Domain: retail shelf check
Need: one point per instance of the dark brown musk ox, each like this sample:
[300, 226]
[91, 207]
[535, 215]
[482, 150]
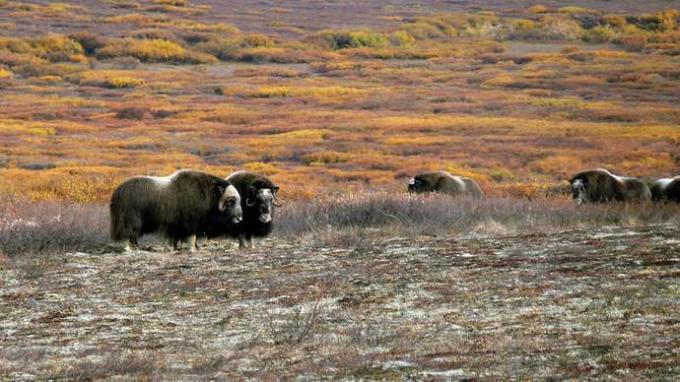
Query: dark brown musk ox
[600, 185]
[178, 207]
[445, 183]
[665, 189]
[258, 201]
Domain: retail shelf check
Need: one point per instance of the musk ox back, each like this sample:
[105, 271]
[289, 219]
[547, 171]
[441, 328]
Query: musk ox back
[178, 206]
[258, 201]
[600, 185]
[666, 189]
[445, 183]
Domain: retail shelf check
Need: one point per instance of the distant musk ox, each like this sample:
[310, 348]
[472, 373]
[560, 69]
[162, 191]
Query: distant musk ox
[258, 199]
[178, 206]
[665, 189]
[445, 183]
[600, 185]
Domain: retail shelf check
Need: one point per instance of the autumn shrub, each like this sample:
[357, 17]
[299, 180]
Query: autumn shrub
[324, 157]
[135, 113]
[634, 43]
[154, 34]
[599, 34]
[154, 51]
[57, 48]
[236, 48]
[89, 41]
[343, 39]
[108, 79]
[560, 28]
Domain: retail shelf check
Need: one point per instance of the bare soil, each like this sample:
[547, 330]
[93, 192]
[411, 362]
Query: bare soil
[585, 305]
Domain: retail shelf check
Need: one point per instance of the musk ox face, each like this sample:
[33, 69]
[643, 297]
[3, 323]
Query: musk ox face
[230, 203]
[578, 191]
[415, 185]
[263, 201]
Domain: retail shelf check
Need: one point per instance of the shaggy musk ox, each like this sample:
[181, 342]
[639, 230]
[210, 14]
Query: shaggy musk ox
[600, 185]
[178, 206]
[445, 183]
[666, 189]
[258, 202]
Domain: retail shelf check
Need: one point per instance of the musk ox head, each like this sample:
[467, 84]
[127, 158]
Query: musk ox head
[263, 200]
[417, 185]
[578, 190]
[230, 203]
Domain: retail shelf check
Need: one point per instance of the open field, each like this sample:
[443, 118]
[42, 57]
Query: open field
[518, 99]
[573, 304]
[339, 104]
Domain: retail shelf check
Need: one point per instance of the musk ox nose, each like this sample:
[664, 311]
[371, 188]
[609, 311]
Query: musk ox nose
[237, 219]
[265, 218]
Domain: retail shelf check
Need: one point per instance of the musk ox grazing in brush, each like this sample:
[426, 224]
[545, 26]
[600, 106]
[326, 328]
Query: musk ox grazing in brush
[178, 206]
[445, 183]
[600, 185]
[258, 201]
[665, 189]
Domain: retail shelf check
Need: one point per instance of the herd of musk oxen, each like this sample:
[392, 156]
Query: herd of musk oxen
[190, 203]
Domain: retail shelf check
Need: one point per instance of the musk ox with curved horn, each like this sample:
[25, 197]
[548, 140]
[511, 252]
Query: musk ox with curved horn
[666, 189]
[258, 202]
[178, 206]
[445, 183]
[600, 185]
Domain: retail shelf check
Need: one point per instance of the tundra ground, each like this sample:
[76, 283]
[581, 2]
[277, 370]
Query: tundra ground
[575, 304]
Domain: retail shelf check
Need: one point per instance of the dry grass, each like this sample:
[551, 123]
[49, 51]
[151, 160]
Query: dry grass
[347, 220]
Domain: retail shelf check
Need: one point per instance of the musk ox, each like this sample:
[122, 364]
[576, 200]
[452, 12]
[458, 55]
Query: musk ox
[665, 189]
[258, 201]
[178, 206]
[445, 183]
[600, 185]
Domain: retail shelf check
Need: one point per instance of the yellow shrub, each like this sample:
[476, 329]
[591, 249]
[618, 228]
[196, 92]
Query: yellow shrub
[539, 9]
[573, 10]
[325, 157]
[261, 167]
[4, 73]
[154, 51]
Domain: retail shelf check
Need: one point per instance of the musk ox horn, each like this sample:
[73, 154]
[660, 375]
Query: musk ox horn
[250, 202]
[277, 202]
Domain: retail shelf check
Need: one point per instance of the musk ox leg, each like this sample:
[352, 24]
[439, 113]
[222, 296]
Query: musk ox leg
[131, 244]
[242, 243]
[192, 243]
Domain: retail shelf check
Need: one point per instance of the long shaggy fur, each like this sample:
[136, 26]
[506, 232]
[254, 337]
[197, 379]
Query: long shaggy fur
[600, 185]
[178, 206]
[666, 189]
[248, 184]
[445, 183]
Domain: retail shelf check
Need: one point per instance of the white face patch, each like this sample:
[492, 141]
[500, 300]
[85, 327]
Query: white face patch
[265, 196]
[412, 181]
[579, 189]
[230, 202]
[265, 193]
[232, 192]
